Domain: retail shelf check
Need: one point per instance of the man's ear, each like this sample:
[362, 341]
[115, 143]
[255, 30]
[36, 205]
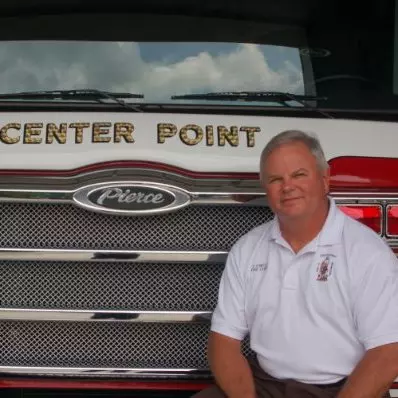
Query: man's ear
[326, 179]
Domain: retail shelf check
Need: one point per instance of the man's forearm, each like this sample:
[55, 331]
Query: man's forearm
[234, 378]
[374, 374]
[231, 370]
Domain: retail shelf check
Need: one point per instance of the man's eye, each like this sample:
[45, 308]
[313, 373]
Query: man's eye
[276, 179]
[300, 175]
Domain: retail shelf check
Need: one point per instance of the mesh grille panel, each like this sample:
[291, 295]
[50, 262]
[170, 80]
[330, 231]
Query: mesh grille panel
[63, 226]
[103, 344]
[109, 285]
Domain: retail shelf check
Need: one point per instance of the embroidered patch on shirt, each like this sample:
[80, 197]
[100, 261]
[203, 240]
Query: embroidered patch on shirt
[258, 267]
[324, 268]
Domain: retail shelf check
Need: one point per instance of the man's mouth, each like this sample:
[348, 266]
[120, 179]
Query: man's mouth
[289, 200]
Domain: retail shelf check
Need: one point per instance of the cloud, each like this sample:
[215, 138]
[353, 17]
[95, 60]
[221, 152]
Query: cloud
[120, 67]
[244, 69]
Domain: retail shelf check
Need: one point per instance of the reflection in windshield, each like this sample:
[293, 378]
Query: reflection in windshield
[157, 70]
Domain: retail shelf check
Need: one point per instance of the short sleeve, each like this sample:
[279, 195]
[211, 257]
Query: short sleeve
[375, 298]
[229, 315]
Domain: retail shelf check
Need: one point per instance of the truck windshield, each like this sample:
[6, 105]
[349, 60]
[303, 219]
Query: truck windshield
[158, 70]
[345, 62]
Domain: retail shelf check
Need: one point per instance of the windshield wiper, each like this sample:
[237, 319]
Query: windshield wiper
[257, 96]
[84, 94]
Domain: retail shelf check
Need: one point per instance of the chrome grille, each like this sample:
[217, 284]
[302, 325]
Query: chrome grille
[63, 282]
[104, 344]
[109, 285]
[64, 226]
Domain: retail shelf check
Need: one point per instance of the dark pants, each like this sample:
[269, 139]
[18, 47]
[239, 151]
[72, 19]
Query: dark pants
[270, 387]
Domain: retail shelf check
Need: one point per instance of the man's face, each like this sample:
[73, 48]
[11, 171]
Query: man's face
[294, 184]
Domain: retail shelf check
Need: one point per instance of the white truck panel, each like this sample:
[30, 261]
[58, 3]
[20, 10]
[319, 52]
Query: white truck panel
[338, 137]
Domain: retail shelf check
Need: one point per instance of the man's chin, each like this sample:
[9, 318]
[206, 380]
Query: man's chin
[293, 215]
[293, 212]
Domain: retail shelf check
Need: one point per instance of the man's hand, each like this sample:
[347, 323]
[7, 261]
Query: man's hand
[229, 367]
[374, 374]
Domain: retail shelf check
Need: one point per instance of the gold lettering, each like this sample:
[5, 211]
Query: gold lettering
[30, 133]
[166, 130]
[209, 135]
[186, 139]
[225, 135]
[5, 138]
[124, 130]
[100, 129]
[250, 134]
[79, 131]
[59, 134]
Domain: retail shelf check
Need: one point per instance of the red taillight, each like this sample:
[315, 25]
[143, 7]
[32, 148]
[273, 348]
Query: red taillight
[370, 215]
[392, 220]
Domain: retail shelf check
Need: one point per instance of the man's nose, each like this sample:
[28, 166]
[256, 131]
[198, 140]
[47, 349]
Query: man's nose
[287, 185]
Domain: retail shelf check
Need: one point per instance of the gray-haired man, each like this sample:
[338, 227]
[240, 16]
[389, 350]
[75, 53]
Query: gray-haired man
[316, 290]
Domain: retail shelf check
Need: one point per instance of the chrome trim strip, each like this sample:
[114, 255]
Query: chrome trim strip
[112, 255]
[35, 195]
[238, 196]
[115, 372]
[121, 256]
[126, 372]
[361, 196]
[200, 182]
[22, 314]
[44, 196]
[389, 236]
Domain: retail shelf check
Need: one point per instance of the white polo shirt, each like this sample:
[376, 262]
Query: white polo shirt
[310, 315]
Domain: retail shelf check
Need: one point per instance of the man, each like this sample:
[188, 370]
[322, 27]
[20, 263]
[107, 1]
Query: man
[316, 291]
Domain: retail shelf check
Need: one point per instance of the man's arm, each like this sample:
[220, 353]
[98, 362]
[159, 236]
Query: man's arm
[374, 292]
[229, 367]
[374, 374]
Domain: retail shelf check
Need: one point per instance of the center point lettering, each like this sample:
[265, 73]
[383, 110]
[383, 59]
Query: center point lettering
[208, 135]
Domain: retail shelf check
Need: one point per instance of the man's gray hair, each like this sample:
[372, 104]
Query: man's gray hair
[289, 136]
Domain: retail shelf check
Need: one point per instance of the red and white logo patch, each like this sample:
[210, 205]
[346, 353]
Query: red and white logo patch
[324, 269]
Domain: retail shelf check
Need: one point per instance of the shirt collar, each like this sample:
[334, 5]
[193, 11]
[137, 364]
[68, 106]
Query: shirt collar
[330, 233]
[333, 228]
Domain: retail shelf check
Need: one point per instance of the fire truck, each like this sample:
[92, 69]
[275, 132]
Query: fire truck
[130, 136]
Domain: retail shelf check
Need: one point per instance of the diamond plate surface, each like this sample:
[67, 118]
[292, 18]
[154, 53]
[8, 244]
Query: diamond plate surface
[109, 285]
[104, 344]
[64, 226]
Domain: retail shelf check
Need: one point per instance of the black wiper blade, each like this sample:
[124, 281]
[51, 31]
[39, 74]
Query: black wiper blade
[273, 96]
[257, 96]
[83, 94]
[68, 94]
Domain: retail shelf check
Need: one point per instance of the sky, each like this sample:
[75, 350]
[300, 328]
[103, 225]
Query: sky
[157, 70]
